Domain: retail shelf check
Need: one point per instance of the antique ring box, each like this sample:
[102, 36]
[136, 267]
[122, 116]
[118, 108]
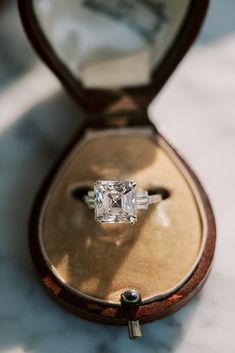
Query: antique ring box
[113, 57]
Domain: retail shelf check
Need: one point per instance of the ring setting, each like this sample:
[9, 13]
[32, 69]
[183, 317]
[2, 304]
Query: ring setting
[118, 201]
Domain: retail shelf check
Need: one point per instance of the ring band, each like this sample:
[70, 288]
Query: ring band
[118, 201]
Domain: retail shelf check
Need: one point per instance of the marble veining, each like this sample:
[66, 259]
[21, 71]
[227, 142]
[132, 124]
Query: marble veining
[196, 109]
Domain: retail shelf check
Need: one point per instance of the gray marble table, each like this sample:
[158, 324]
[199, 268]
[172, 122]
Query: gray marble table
[196, 109]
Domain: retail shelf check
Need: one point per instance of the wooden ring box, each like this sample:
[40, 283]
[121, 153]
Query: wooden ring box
[113, 60]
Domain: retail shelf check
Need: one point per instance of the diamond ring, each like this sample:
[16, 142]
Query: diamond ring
[118, 201]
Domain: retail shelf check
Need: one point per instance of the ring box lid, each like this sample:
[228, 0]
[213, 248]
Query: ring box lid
[116, 55]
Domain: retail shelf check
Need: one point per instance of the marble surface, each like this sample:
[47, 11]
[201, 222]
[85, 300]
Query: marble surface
[196, 109]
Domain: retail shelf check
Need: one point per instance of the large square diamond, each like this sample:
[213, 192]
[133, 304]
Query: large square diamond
[115, 201]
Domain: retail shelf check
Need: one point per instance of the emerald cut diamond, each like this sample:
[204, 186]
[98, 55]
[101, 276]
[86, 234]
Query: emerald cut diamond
[118, 201]
[115, 201]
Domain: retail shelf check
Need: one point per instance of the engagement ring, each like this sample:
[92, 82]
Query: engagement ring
[118, 201]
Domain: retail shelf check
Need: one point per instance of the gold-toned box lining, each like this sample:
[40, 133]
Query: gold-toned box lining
[154, 256]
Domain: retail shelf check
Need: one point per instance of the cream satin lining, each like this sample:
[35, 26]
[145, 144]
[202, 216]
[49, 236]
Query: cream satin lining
[104, 52]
